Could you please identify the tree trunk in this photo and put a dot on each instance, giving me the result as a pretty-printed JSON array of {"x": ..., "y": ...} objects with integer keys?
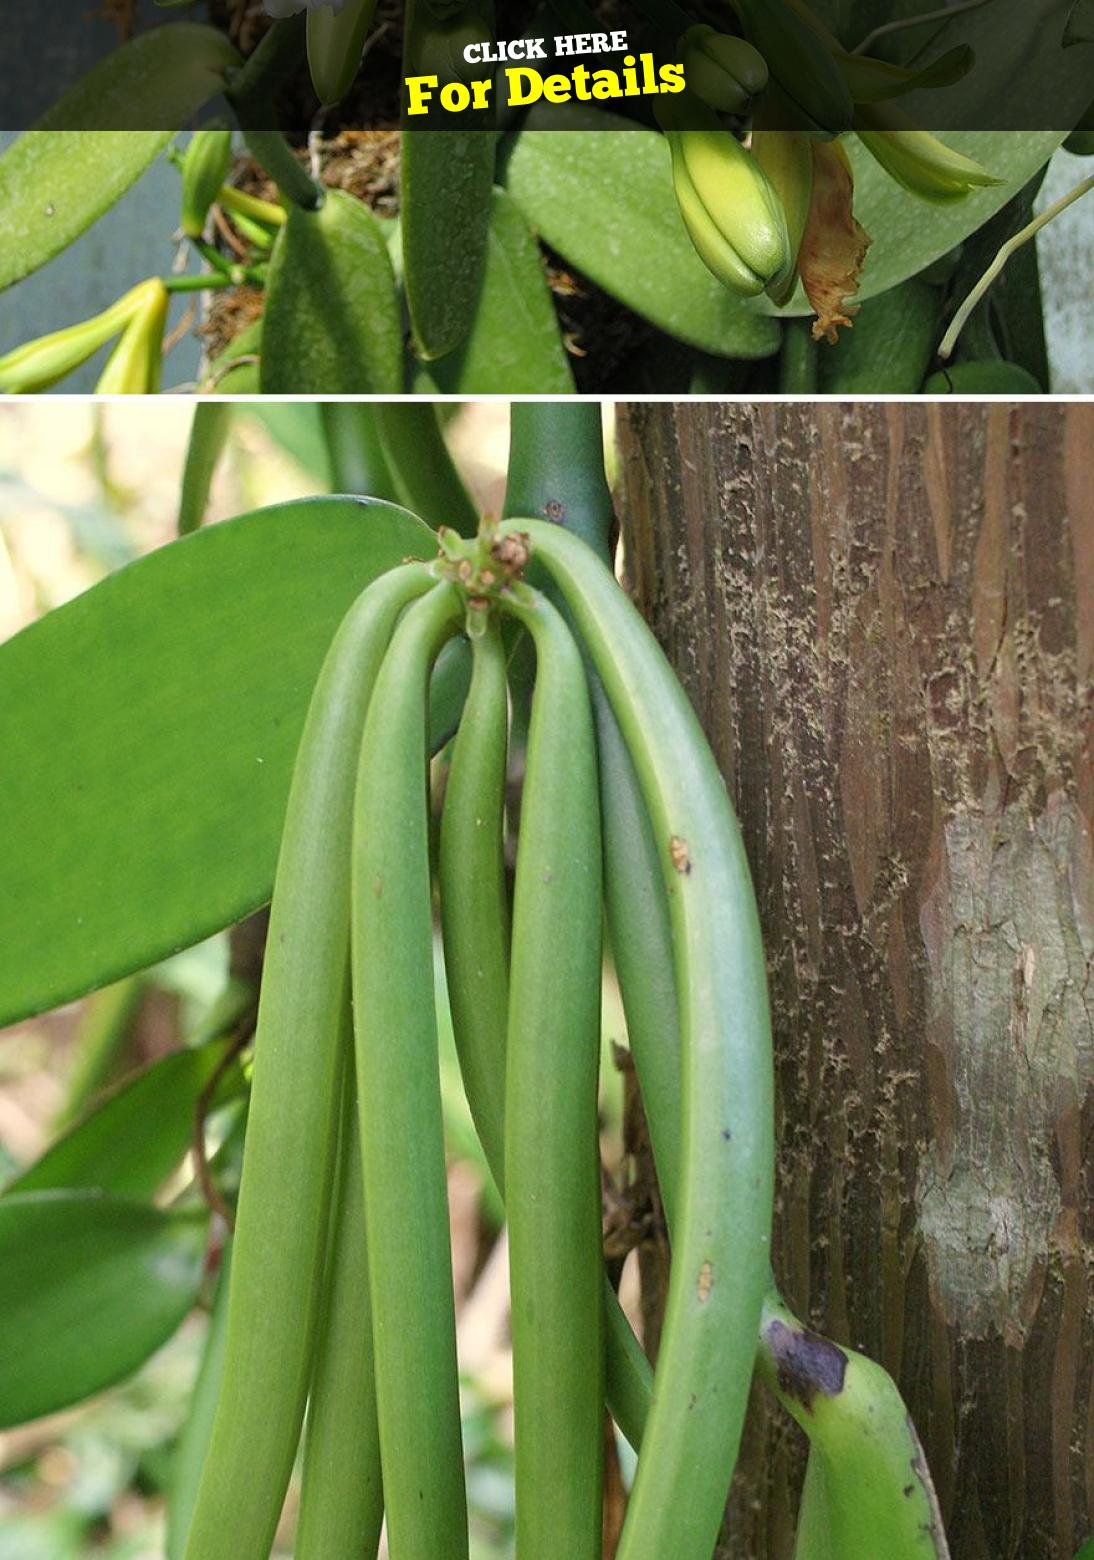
[{"x": 884, "y": 615}]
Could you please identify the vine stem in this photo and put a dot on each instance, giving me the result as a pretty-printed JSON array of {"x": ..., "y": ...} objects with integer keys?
[
  {"x": 957, "y": 324},
  {"x": 270, "y": 149}
]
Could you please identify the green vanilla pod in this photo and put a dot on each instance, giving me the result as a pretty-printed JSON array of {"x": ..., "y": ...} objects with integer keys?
[
  {"x": 552, "y": 1165},
  {"x": 801, "y": 64},
  {"x": 786, "y": 157},
  {"x": 341, "y": 1491},
  {"x": 336, "y": 42},
  {"x": 474, "y": 918},
  {"x": 725, "y": 72},
  {"x": 732, "y": 212},
  {"x": 868, "y": 1490},
  {"x": 556, "y": 469},
  {"x": 473, "y": 897},
  {"x": 205, "y": 165},
  {"x": 899, "y": 1516},
  {"x": 723, "y": 1218},
  {"x": 39, "y": 364},
  {"x": 288, "y": 1164},
  {"x": 916, "y": 159},
  {"x": 136, "y": 363},
  {"x": 410, "y": 1267}
]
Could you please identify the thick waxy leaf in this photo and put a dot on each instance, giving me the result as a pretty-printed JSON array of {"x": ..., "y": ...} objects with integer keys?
[
  {"x": 54, "y": 185},
  {"x": 130, "y": 1143},
  {"x": 514, "y": 347},
  {"x": 90, "y": 1286},
  {"x": 908, "y": 234},
  {"x": 157, "y": 81},
  {"x": 605, "y": 202},
  {"x": 446, "y": 180},
  {"x": 147, "y": 730},
  {"x": 332, "y": 324}
]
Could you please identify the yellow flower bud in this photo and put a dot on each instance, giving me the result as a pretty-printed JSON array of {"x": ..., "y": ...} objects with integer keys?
[
  {"x": 732, "y": 212},
  {"x": 44, "y": 362},
  {"x": 916, "y": 159},
  {"x": 725, "y": 72},
  {"x": 134, "y": 365}
]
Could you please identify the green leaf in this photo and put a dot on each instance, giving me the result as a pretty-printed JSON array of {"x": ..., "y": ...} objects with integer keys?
[
  {"x": 446, "y": 179},
  {"x": 1024, "y": 71},
  {"x": 514, "y": 347},
  {"x": 54, "y": 186},
  {"x": 908, "y": 234},
  {"x": 332, "y": 324},
  {"x": 148, "y": 729},
  {"x": 159, "y": 79},
  {"x": 90, "y": 1286},
  {"x": 605, "y": 202},
  {"x": 132, "y": 1142}
]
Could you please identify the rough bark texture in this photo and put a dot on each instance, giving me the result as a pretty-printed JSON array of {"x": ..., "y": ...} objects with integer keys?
[{"x": 884, "y": 615}]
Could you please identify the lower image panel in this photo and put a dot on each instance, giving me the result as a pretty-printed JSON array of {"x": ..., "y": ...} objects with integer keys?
[{"x": 541, "y": 966}]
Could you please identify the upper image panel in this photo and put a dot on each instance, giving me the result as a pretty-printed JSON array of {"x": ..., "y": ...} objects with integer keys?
[{"x": 547, "y": 197}]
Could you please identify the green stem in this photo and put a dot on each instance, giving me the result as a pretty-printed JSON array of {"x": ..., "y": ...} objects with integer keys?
[
  {"x": 357, "y": 460},
  {"x": 424, "y": 471},
  {"x": 798, "y": 359},
  {"x": 208, "y": 435},
  {"x": 272, "y": 152},
  {"x": 556, "y": 469},
  {"x": 275, "y": 59},
  {"x": 957, "y": 324},
  {"x": 212, "y": 256},
  {"x": 206, "y": 282}
]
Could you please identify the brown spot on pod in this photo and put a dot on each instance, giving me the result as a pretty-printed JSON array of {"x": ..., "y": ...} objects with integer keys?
[
  {"x": 806, "y": 1363},
  {"x": 706, "y": 1282},
  {"x": 678, "y": 850}
]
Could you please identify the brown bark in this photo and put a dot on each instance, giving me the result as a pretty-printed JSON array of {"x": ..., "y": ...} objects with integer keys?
[{"x": 884, "y": 615}]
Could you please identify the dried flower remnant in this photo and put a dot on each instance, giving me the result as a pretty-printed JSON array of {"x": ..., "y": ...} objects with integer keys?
[{"x": 835, "y": 244}]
